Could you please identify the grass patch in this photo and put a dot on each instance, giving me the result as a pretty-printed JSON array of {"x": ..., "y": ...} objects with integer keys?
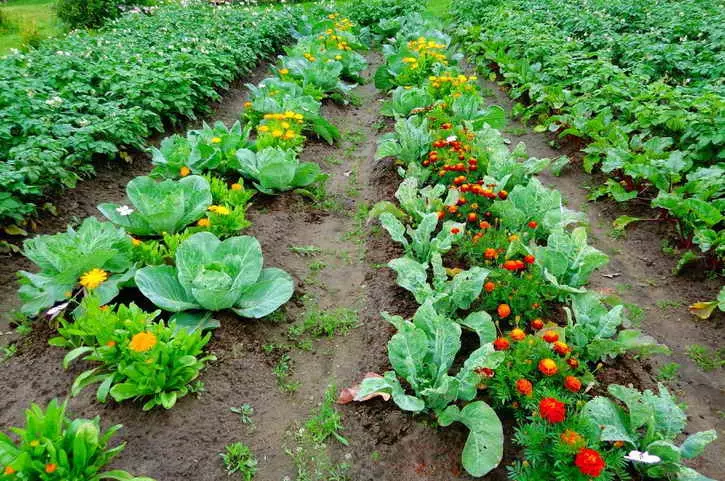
[{"x": 26, "y": 22}]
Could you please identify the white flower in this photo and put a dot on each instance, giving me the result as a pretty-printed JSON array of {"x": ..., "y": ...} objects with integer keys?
[
  {"x": 124, "y": 210},
  {"x": 452, "y": 138},
  {"x": 642, "y": 457}
]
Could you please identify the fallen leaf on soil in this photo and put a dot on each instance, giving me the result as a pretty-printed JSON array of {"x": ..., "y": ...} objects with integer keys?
[
  {"x": 703, "y": 310},
  {"x": 349, "y": 394}
]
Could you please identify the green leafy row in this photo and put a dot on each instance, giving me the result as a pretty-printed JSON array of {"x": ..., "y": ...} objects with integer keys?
[
  {"x": 639, "y": 82},
  {"x": 521, "y": 258},
  {"x": 101, "y": 94}
]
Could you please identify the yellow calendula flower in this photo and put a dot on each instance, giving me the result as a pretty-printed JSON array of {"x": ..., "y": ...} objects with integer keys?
[
  {"x": 247, "y": 105},
  {"x": 219, "y": 209},
  {"x": 142, "y": 342},
  {"x": 290, "y": 134},
  {"x": 216, "y": 140},
  {"x": 184, "y": 171},
  {"x": 136, "y": 242},
  {"x": 93, "y": 278},
  {"x": 285, "y": 125},
  {"x": 34, "y": 443},
  {"x": 263, "y": 128},
  {"x": 277, "y": 133},
  {"x": 283, "y": 71},
  {"x": 338, "y": 57},
  {"x": 236, "y": 186},
  {"x": 205, "y": 222}
]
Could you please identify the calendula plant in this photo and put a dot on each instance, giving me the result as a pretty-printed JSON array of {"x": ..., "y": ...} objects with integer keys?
[
  {"x": 157, "y": 207},
  {"x": 97, "y": 256},
  {"x": 212, "y": 275},
  {"x": 648, "y": 424},
  {"x": 422, "y": 353},
  {"x": 276, "y": 170},
  {"x": 51, "y": 446},
  {"x": 140, "y": 357},
  {"x": 210, "y": 149}
]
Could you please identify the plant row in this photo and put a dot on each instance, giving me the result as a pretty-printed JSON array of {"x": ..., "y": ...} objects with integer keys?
[
  {"x": 638, "y": 82},
  {"x": 498, "y": 267},
  {"x": 177, "y": 244},
  {"x": 95, "y": 95}
]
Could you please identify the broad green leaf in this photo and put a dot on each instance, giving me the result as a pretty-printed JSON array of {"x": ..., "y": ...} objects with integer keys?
[
  {"x": 160, "y": 285},
  {"x": 273, "y": 288}
]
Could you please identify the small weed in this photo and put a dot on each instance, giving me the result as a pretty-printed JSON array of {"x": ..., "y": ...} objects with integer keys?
[
  {"x": 322, "y": 199},
  {"x": 668, "y": 372},
  {"x": 245, "y": 411},
  {"x": 623, "y": 288},
  {"x": 282, "y": 371},
  {"x": 277, "y": 317},
  {"x": 306, "y": 251},
  {"x": 327, "y": 323},
  {"x": 707, "y": 359},
  {"x": 668, "y": 304},
  {"x": 8, "y": 352},
  {"x": 356, "y": 137},
  {"x": 238, "y": 458},
  {"x": 332, "y": 160},
  {"x": 375, "y": 456},
  {"x": 310, "y": 454}
]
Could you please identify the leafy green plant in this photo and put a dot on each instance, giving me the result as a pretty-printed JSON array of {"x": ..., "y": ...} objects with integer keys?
[
  {"x": 410, "y": 141},
  {"x": 96, "y": 256},
  {"x": 140, "y": 357},
  {"x": 53, "y": 446},
  {"x": 423, "y": 244},
  {"x": 649, "y": 423},
  {"x": 276, "y": 170},
  {"x": 214, "y": 275},
  {"x": 422, "y": 352},
  {"x": 167, "y": 206},
  {"x": 238, "y": 458}
]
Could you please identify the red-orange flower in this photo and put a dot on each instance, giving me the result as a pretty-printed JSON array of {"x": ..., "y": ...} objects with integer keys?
[
  {"x": 455, "y": 230},
  {"x": 501, "y": 344},
  {"x": 489, "y": 286},
  {"x": 572, "y": 383},
  {"x": 517, "y": 334},
  {"x": 561, "y": 348},
  {"x": 529, "y": 259},
  {"x": 551, "y": 336},
  {"x": 490, "y": 253},
  {"x": 50, "y": 468},
  {"x": 503, "y": 311},
  {"x": 589, "y": 462},
  {"x": 537, "y": 324},
  {"x": 524, "y": 386},
  {"x": 571, "y": 438},
  {"x": 8, "y": 470},
  {"x": 533, "y": 224},
  {"x": 573, "y": 363},
  {"x": 552, "y": 410},
  {"x": 547, "y": 367}
]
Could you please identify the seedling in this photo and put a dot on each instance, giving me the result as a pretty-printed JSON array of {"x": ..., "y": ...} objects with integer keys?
[
  {"x": 245, "y": 411},
  {"x": 238, "y": 458}
]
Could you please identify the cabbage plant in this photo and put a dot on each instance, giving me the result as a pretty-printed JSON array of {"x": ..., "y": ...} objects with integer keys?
[
  {"x": 213, "y": 275},
  {"x": 277, "y": 170},
  {"x": 65, "y": 257},
  {"x": 167, "y": 206}
]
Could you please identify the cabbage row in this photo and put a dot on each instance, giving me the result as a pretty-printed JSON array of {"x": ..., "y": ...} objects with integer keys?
[
  {"x": 177, "y": 243},
  {"x": 100, "y": 94},
  {"x": 640, "y": 82},
  {"x": 499, "y": 268}
]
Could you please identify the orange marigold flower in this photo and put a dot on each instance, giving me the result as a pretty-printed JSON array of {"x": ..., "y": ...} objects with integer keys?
[
  {"x": 573, "y": 363},
  {"x": 524, "y": 386},
  {"x": 489, "y": 286},
  {"x": 455, "y": 230},
  {"x": 236, "y": 186},
  {"x": 50, "y": 468},
  {"x": 501, "y": 344},
  {"x": 562, "y": 348},
  {"x": 572, "y": 383},
  {"x": 8, "y": 470},
  {"x": 142, "y": 342},
  {"x": 184, "y": 171},
  {"x": 547, "y": 367},
  {"x": 518, "y": 334},
  {"x": 551, "y": 336},
  {"x": 589, "y": 462},
  {"x": 136, "y": 242},
  {"x": 205, "y": 222},
  {"x": 490, "y": 253},
  {"x": 537, "y": 324},
  {"x": 571, "y": 438},
  {"x": 111, "y": 343},
  {"x": 247, "y": 104},
  {"x": 618, "y": 444},
  {"x": 552, "y": 410},
  {"x": 504, "y": 310}
]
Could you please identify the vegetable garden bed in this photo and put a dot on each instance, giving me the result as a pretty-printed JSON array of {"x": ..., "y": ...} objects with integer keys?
[{"x": 492, "y": 274}]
